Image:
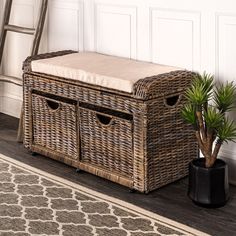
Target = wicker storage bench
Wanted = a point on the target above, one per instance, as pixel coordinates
(135, 138)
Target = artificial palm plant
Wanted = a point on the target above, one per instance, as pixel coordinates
(206, 109)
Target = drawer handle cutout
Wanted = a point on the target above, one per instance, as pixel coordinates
(172, 101)
(104, 120)
(53, 105)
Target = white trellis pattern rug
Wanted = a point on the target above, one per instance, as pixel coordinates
(33, 202)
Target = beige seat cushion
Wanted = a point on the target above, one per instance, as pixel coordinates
(98, 69)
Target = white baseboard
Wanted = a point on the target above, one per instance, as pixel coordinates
(228, 157)
(11, 106)
(10, 99)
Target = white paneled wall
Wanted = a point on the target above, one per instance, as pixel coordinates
(196, 35)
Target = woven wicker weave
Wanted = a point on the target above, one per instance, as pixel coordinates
(138, 140)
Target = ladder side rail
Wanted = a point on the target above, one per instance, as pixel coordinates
(39, 28)
(5, 21)
(34, 51)
(37, 33)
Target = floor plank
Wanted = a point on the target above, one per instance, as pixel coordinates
(170, 201)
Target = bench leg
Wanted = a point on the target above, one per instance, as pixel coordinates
(20, 134)
(131, 190)
(78, 170)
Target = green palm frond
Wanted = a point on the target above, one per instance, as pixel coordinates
(213, 119)
(206, 80)
(188, 113)
(196, 95)
(225, 96)
(227, 132)
(201, 89)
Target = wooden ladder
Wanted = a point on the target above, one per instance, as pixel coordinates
(36, 32)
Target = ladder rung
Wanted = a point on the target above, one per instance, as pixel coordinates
(19, 29)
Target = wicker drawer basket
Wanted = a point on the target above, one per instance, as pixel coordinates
(106, 139)
(54, 125)
(135, 139)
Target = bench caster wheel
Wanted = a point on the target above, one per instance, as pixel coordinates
(34, 154)
(78, 170)
(131, 190)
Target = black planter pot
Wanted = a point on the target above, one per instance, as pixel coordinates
(208, 187)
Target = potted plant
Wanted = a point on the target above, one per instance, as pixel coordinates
(206, 109)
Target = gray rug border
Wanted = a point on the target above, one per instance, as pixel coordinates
(99, 196)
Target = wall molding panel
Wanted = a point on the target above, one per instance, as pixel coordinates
(175, 38)
(116, 30)
(225, 46)
(65, 25)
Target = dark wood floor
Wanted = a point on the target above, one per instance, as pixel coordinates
(170, 201)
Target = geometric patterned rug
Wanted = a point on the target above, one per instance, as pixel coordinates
(33, 202)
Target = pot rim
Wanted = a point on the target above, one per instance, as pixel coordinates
(195, 162)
